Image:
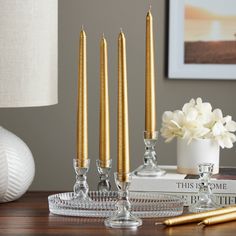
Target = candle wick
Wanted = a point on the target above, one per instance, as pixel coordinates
(121, 30)
(103, 35)
(201, 223)
(82, 27)
(158, 223)
(150, 7)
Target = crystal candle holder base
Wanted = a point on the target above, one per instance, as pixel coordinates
(104, 184)
(81, 187)
(206, 200)
(203, 205)
(123, 218)
(150, 167)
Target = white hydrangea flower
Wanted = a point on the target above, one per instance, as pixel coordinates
(197, 120)
(172, 122)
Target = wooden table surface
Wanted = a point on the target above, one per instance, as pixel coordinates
(30, 216)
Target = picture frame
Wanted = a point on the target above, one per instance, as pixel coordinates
(177, 68)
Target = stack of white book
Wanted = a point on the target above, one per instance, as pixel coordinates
(223, 185)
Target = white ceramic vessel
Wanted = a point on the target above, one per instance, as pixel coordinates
(17, 166)
(189, 156)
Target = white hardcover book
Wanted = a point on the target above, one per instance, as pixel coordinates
(191, 198)
(222, 183)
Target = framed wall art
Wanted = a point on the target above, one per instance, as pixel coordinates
(202, 39)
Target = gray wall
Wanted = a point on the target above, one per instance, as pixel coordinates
(50, 131)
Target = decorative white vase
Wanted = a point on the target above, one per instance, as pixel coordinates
(196, 152)
(17, 167)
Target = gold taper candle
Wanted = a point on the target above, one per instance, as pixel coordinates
(104, 145)
(123, 126)
(82, 123)
(150, 96)
(197, 217)
(219, 219)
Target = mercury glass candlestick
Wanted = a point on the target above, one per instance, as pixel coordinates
(81, 187)
(123, 218)
(104, 184)
(206, 198)
(149, 167)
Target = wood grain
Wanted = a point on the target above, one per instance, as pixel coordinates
(30, 216)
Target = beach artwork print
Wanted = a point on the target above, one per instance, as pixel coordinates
(210, 32)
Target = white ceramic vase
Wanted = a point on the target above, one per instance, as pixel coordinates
(196, 152)
(16, 166)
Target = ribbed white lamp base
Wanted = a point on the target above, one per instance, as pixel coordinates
(17, 167)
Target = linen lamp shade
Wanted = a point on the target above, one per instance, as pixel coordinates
(28, 53)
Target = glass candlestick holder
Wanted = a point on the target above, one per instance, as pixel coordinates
(104, 184)
(149, 167)
(206, 198)
(81, 187)
(122, 217)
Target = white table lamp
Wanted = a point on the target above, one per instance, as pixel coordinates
(28, 77)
